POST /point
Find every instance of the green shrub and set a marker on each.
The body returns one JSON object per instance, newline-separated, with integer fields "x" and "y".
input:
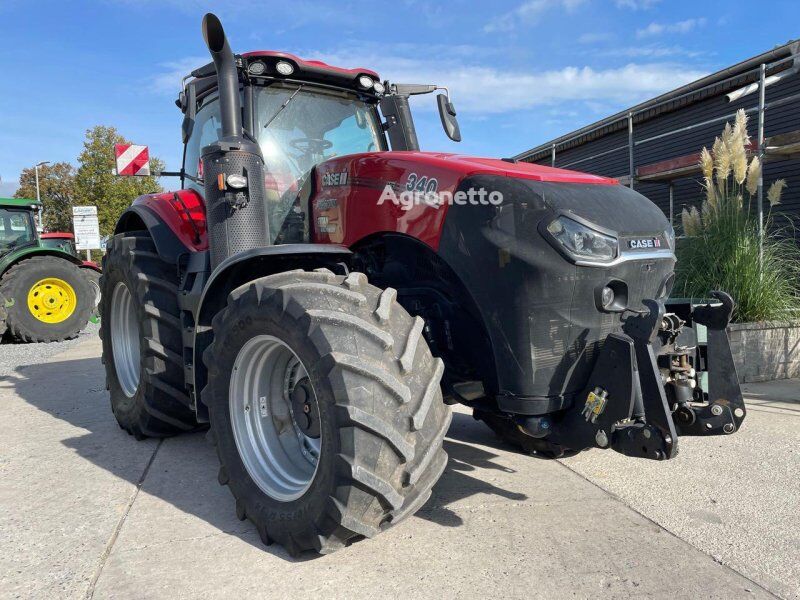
{"x": 720, "y": 247}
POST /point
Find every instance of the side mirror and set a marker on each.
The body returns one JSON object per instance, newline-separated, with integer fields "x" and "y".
{"x": 448, "y": 115}
{"x": 189, "y": 97}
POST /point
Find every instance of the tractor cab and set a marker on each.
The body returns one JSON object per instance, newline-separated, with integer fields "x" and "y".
{"x": 17, "y": 224}
{"x": 301, "y": 113}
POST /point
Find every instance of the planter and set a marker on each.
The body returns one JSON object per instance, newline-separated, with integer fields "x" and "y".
{"x": 765, "y": 351}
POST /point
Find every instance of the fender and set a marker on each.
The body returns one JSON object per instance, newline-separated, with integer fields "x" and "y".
{"x": 175, "y": 220}
{"x": 208, "y": 299}
{"x": 92, "y": 266}
{"x": 168, "y": 245}
{"x": 21, "y": 254}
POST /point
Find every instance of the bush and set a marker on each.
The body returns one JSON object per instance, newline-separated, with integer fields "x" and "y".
{"x": 720, "y": 250}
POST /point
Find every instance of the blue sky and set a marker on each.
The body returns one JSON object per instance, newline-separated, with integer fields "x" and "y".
{"x": 521, "y": 72}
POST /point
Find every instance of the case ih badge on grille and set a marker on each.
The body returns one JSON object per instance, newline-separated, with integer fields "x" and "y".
{"x": 132, "y": 160}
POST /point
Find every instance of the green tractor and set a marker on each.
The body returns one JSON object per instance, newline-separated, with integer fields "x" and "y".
{"x": 45, "y": 289}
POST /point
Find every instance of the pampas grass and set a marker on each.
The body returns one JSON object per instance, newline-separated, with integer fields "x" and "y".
{"x": 721, "y": 249}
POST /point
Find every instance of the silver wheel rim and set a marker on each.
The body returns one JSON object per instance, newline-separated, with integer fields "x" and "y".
{"x": 125, "y": 339}
{"x": 96, "y": 290}
{"x": 278, "y": 456}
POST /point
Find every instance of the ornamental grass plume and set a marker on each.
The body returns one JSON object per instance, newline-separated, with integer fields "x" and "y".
{"x": 723, "y": 247}
{"x": 740, "y": 127}
{"x": 722, "y": 161}
{"x": 691, "y": 221}
{"x": 775, "y": 191}
{"x": 753, "y": 175}
{"x": 737, "y": 147}
{"x": 707, "y": 164}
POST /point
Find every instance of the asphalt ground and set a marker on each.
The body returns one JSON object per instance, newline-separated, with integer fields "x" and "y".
{"x": 86, "y": 511}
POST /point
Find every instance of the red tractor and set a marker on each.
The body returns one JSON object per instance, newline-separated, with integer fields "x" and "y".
{"x": 320, "y": 290}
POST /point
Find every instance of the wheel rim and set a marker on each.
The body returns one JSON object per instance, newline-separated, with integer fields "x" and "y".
{"x": 275, "y": 418}
{"x": 125, "y": 339}
{"x": 52, "y": 300}
{"x": 96, "y": 289}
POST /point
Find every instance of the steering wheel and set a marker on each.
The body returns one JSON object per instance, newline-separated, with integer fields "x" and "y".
{"x": 311, "y": 145}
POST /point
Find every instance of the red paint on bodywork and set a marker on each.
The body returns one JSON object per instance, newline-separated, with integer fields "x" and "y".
{"x": 318, "y": 64}
{"x": 352, "y": 211}
{"x": 345, "y": 214}
{"x": 184, "y": 212}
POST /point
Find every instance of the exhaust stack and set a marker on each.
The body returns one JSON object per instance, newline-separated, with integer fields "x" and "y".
{"x": 227, "y": 77}
{"x": 233, "y": 166}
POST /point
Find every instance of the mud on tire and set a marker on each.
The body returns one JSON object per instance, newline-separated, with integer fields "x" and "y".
{"x": 159, "y": 407}
{"x": 377, "y": 389}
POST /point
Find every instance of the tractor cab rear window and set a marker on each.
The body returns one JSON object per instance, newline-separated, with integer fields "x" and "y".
{"x": 16, "y": 228}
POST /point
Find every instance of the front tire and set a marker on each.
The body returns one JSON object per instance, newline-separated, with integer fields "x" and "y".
{"x": 374, "y": 388}
{"x": 49, "y": 300}
{"x": 142, "y": 343}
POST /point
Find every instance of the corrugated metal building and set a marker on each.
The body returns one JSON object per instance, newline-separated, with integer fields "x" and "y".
{"x": 655, "y": 145}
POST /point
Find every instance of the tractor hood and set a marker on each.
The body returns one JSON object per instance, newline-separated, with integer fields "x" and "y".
{"x": 473, "y": 165}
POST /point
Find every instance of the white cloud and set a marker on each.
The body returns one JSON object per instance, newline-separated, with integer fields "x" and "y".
{"x": 636, "y": 4}
{"x": 655, "y": 29}
{"x": 653, "y": 51}
{"x": 168, "y": 82}
{"x": 528, "y": 13}
{"x": 481, "y": 89}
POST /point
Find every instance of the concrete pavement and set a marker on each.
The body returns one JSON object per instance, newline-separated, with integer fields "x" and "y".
{"x": 89, "y": 512}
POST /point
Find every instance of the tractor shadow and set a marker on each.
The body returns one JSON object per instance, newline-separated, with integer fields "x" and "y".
{"x": 183, "y": 470}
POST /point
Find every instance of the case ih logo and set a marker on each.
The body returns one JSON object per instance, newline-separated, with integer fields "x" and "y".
{"x": 643, "y": 243}
{"x": 132, "y": 159}
{"x": 334, "y": 178}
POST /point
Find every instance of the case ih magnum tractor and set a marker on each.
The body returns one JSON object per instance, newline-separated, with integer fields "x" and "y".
{"x": 322, "y": 330}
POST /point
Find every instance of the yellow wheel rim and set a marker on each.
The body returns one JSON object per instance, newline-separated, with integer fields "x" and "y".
{"x": 52, "y": 300}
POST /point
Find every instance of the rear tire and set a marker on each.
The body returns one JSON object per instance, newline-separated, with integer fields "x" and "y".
{"x": 142, "y": 343}
{"x": 3, "y": 315}
{"x": 74, "y": 299}
{"x": 376, "y": 394}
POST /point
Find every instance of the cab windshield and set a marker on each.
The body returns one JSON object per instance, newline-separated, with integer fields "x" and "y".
{"x": 298, "y": 127}
{"x": 16, "y": 229}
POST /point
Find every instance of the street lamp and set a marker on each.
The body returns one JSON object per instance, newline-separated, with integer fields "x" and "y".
{"x": 38, "y": 199}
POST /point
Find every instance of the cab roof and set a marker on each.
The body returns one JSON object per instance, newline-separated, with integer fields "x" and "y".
{"x": 311, "y": 71}
{"x": 303, "y": 65}
{"x": 20, "y": 202}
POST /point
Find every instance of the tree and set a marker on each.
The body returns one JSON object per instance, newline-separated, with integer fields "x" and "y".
{"x": 96, "y": 183}
{"x": 57, "y": 191}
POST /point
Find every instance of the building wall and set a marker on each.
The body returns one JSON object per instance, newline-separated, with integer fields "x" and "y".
{"x": 614, "y": 162}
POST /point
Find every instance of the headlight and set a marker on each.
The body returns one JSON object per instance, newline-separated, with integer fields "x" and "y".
{"x": 284, "y": 68}
{"x": 583, "y": 242}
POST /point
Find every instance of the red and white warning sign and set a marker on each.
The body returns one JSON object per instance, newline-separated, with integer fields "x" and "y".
{"x": 132, "y": 159}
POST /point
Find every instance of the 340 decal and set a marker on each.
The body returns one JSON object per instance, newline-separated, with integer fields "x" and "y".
{"x": 424, "y": 184}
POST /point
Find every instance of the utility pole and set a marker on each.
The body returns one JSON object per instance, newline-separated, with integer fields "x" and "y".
{"x": 38, "y": 197}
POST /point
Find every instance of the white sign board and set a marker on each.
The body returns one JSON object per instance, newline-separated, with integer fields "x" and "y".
{"x": 86, "y": 226}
